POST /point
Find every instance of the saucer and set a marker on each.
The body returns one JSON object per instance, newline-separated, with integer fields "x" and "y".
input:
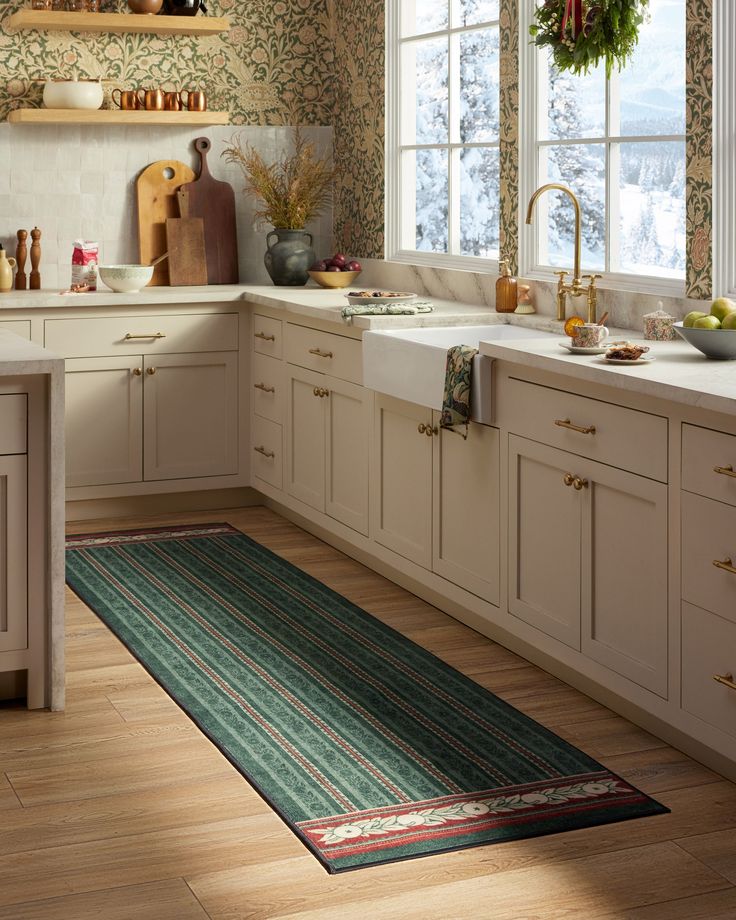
{"x": 579, "y": 350}
{"x": 644, "y": 359}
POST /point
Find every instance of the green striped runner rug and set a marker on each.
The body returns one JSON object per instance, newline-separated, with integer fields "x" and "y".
{"x": 369, "y": 747}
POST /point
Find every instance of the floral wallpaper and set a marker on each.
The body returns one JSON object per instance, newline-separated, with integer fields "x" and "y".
{"x": 358, "y": 125}
{"x": 699, "y": 149}
{"x": 509, "y": 136}
{"x": 274, "y": 66}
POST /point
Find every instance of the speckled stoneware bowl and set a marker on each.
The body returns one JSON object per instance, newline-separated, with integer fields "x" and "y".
{"x": 126, "y": 279}
{"x": 719, "y": 344}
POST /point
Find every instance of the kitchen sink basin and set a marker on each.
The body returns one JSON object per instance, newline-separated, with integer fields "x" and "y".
{"x": 410, "y": 363}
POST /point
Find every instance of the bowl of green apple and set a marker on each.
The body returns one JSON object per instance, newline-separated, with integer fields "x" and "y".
{"x": 712, "y": 333}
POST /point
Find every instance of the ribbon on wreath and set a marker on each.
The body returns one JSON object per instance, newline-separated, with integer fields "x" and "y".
{"x": 573, "y": 14}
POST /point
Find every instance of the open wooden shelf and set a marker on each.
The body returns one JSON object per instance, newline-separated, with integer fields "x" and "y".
{"x": 50, "y": 21}
{"x": 114, "y": 117}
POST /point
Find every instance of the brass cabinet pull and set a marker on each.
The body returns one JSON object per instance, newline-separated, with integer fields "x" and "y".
{"x": 264, "y": 387}
{"x": 324, "y": 392}
{"x": 265, "y": 336}
{"x": 725, "y": 679}
{"x": 421, "y": 428}
{"x": 568, "y": 479}
{"x": 320, "y": 353}
{"x": 725, "y": 471}
{"x": 566, "y": 423}
{"x": 150, "y": 371}
{"x": 137, "y": 372}
{"x": 321, "y": 392}
{"x": 727, "y": 565}
{"x": 144, "y": 335}
{"x": 432, "y": 431}
{"x": 579, "y": 483}
{"x": 266, "y": 453}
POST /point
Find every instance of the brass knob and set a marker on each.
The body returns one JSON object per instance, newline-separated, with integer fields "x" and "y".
{"x": 421, "y": 428}
{"x": 579, "y": 483}
{"x": 568, "y": 479}
{"x": 316, "y": 391}
{"x": 324, "y": 392}
{"x": 432, "y": 431}
{"x": 150, "y": 371}
{"x": 137, "y": 372}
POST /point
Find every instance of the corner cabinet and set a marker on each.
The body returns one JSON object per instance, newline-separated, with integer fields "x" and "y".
{"x": 436, "y": 495}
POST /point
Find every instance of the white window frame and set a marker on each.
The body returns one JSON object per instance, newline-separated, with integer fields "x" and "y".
{"x": 395, "y": 202}
{"x": 530, "y": 124}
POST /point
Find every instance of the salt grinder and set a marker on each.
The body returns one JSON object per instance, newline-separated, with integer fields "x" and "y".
{"x": 35, "y": 284}
{"x": 21, "y": 254}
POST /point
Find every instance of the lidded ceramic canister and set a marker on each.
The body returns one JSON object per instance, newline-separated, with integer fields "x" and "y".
{"x": 6, "y": 271}
{"x": 659, "y": 326}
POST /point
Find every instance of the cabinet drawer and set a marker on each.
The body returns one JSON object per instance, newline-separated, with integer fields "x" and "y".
{"x": 268, "y": 387}
{"x": 621, "y": 437}
{"x": 267, "y": 452}
{"x": 708, "y": 649}
{"x": 142, "y": 335}
{"x": 13, "y": 418}
{"x": 21, "y": 327}
{"x": 325, "y": 352}
{"x": 708, "y": 536}
{"x": 267, "y": 336}
{"x": 708, "y": 463}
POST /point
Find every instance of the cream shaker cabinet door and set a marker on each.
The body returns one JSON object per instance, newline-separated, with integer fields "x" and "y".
{"x": 402, "y": 503}
{"x": 305, "y": 436}
{"x": 190, "y": 425}
{"x": 466, "y": 510}
{"x": 544, "y": 539}
{"x": 624, "y": 573}
{"x": 13, "y": 553}
{"x": 348, "y": 418}
{"x": 104, "y": 405}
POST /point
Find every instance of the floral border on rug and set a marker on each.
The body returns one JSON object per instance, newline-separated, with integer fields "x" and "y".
{"x": 699, "y": 149}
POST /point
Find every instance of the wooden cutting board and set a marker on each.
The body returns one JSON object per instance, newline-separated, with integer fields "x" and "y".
{"x": 187, "y": 259}
{"x": 156, "y": 190}
{"x": 214, "y": 202}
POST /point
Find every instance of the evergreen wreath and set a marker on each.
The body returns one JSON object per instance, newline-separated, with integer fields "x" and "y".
{"x": 580, "y": 33}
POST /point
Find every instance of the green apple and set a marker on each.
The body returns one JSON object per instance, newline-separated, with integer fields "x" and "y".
{"x": 707, "y": 322}
{"x": 730, "y": 321}
{"x": 689, "y": 320}
{"x": 722, "y": 307}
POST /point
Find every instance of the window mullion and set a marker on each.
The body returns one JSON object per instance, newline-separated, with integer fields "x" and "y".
{"x": 453, "y": 155}
{"x": 613, "y": 172}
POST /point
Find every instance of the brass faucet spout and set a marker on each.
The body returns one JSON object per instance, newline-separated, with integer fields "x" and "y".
{"x": 554, "y": 186}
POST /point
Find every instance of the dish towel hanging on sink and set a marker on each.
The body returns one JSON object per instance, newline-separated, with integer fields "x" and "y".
{"x": 456, "y": 399}
{"x": 387, "y": 309}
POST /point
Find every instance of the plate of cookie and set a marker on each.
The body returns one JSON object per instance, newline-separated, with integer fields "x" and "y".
{"x": 360, "y": 298}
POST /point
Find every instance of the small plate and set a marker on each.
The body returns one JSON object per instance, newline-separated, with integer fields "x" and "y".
{"x": 579, "y": 350}
{"x": 644, "y": 359}
{"x": 398, "y": 297}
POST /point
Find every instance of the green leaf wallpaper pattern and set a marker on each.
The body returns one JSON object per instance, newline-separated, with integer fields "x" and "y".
{"x": 699, "y": 149}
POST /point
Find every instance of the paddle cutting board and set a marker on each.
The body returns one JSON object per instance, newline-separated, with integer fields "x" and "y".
{"x": 214, "y": 202}
{"x": 156, "y": 191}
{"x": 187, "y": 259}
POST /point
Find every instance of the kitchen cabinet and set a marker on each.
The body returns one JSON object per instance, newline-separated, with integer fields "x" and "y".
{"x": 436, "y": 500}
{"x": 13, "y": 552}
{"x": 327, "y": 439}
{"x": 588, "y": 558}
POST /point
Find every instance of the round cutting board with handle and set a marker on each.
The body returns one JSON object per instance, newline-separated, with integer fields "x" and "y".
{"x": 156, "y": 190}
{"x": 214, "y": 202}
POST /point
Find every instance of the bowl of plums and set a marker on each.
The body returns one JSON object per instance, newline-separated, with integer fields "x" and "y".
{"x": 337, "y": 272}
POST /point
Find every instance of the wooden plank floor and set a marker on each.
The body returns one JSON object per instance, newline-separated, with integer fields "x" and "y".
{"x": 119, "y": 808}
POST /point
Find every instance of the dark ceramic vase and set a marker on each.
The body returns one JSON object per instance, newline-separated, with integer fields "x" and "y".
{"x": 183, "y": 7}
{"x": 289, "y": 256}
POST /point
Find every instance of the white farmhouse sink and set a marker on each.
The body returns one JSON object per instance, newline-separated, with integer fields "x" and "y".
{"x": 410, "y": 363}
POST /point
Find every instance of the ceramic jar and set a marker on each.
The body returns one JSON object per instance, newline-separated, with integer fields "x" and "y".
{"x": 73, "y": 94}
{"x": 6, "y": 271}
{"x": 289, "y": 256}
{"x": 659, "y": 326}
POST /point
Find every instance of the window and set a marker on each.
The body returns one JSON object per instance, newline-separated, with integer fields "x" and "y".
{"x": 620, "y": 145}
{"x": 444, "y": 130}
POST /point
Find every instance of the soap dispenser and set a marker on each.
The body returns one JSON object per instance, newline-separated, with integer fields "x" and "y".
{"x": 6, "y": 271}
{"x": 506, "y": 292}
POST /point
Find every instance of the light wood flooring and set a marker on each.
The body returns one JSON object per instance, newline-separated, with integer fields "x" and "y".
{"x": 119, "y": 808}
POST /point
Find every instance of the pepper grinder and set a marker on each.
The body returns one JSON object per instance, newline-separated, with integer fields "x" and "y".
{"x": 35, "y": 284}
{"x": 21, "y": 254}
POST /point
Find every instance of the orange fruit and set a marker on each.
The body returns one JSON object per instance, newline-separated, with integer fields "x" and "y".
{"x": 571, "y": 324}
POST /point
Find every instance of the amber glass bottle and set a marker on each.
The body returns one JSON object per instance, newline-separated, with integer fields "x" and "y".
{"x": 506, "y": 293}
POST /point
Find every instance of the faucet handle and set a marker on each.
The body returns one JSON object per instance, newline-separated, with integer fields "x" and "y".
{"x": 592, "y": 279}
{"x": 562, "y": 275}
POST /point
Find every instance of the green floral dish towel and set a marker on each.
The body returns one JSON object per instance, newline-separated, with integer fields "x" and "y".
{"x": 388, "y": 309}
{"x": 456, "y": 400}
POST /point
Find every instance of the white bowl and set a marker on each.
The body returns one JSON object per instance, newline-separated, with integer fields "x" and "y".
{"x": 126, "y": 279}
{"x": 719, "y": 344}
{"x": 73, "y": 94}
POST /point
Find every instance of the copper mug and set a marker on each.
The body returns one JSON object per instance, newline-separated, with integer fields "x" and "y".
{"x": 196, "y": 100}
{"x": 128, "y": 99}
{"x": 152, "y": 101}
{"x": 172, "y": 102}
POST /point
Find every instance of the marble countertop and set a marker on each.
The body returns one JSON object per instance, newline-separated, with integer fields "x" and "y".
{"x": 679, "y": 373}
{"x": 19, "y": 357}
